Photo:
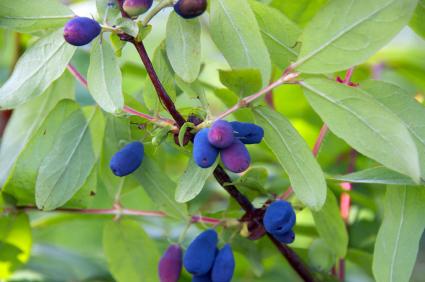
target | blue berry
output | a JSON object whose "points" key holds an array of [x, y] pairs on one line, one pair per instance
{"points": [[202, 278], [236, 157], [80, 31], [170, 264], [204, 153], [190, 8], [200, 255], [221, 134], [128, 159], [248, 133], [279, 218], [286, 238], [224, 265]]}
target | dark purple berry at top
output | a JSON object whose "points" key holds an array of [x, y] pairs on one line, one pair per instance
{"points": [[286, 238], [170, 265], [221, 134], [190, 8], [224, 265], [204, 153], [202, 278], [200, 255], [81, 31], [128, 159], [236, 157], [133, 8], [279, 218], [248, 133]]}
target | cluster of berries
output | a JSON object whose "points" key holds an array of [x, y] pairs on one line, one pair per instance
{"points": [[80, 31], [202, 259], [228, 139], [279, 220]]}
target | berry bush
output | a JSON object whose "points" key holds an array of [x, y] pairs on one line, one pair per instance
{"points": [[212, 140]]}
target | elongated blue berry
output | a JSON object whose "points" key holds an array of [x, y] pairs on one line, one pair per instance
{"points": [[204, 153], [134, 8], [190, 8], [202, 278], [128, 159], [224, 265], [81, 31], [248, 133], [286, 238], [221, 134], [279, 218], [236, 157], [200, 255], [170, 265]]}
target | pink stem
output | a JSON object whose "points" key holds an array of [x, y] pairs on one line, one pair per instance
{"points": [[77, 75]]}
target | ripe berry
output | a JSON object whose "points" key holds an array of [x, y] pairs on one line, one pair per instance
{"points": [[224, 265], [200, 255], [221, 134], [190, 8], [204, 153], [202, 278], [248, 133], [286, 238], [133, 8], [170, 265], [236, 157], [80, 31], [279, 218], [128, 159]]}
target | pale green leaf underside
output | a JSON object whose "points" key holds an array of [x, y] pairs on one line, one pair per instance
{"points": [[104, 77], [417, 23], [236, 33], [295, 156], [355, 116], [35, 71], [398, 238], [183, 45], [346, 33], [31, 16], [192, 181]]}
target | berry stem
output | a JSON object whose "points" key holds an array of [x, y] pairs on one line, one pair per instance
{"points": [[154, 11]]}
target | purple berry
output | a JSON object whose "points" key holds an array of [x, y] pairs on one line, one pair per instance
{"points": [[248, 133], [133, 8], [236, 157], [128, 159], [279, 218], [81, 31], [170, 265], [190, 8], [224, 265], [204, 153], [200, 255], [221, 134]]}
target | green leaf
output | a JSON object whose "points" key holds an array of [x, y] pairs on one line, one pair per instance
{"points": [[398, 238], [295, 157], [236, 33], [108, 11], [166, 76], [31, 16], [68, 164], [183, 44], [15, 242], [243, 82], [321, 257], [417, 23], [128, 26], [160, 188], [301, 11], [346, 33], [192, 181], [131, 254], [22, 179], [355, 116], [376, 175], [331, 227], [104, 77], [281, 45], [254, 179], [26, 120], [35, 71], [409, 111]]}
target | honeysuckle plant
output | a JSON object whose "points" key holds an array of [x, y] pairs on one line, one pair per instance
{"points": [[219, 140]]}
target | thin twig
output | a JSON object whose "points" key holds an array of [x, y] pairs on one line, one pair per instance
{"points": [[154, 11], [77, 75]]}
